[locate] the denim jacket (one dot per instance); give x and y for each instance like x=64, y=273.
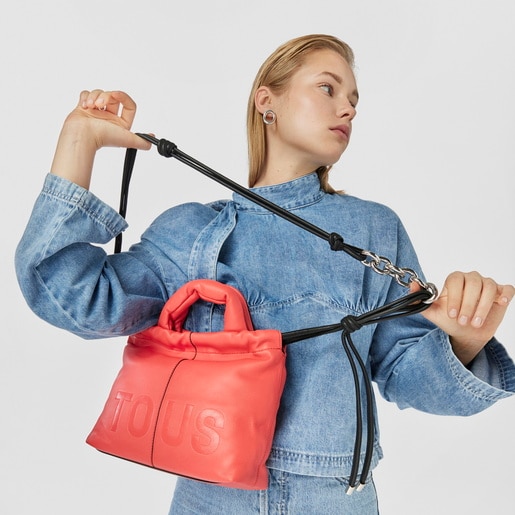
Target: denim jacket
x=291, y=280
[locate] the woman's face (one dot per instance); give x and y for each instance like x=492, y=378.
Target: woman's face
x=314, y=114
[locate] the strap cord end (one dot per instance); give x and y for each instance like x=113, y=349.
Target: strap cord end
x=336, y=242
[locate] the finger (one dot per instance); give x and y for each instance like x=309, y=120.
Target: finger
x=83, y=97
x=490, y=291
x=104, y=101
x=112, y=101
x=140, y=143
x=128, y=111
x=414, y=287
x=92, y=100
x=472, y=291
x=89, y=98
x=453, y=292
x=506, y=294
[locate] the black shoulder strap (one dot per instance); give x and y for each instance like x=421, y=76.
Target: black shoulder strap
x=381, y=265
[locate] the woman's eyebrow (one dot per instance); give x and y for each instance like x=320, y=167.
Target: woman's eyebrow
x=336, y=77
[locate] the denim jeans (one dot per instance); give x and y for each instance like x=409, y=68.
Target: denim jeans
x=287, y=494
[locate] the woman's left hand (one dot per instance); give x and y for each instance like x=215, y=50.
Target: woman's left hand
x=469, y=309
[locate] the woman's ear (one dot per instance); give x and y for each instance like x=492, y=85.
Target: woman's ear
x=263, y=99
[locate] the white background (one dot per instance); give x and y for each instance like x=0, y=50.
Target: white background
x=433, y=139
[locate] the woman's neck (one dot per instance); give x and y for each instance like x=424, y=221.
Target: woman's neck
x=271, y=175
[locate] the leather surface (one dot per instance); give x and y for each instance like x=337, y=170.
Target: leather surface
x=200, y=405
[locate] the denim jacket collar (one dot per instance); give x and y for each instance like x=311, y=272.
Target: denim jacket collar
x=297, y=193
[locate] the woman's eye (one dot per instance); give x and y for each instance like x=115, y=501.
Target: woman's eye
x=327, y=88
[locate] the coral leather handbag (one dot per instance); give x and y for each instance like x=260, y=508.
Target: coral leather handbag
x=200, y=405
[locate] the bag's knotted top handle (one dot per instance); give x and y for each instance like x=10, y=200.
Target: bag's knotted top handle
x=407, y=305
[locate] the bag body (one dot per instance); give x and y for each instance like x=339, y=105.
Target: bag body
x=199, y=405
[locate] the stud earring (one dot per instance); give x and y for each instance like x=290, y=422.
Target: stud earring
x=269, y=117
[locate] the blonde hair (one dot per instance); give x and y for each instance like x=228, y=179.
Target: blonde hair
x=276, y=73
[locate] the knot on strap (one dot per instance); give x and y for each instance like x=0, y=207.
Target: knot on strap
x=166, y=148
x=350, y=324
x=336, y=241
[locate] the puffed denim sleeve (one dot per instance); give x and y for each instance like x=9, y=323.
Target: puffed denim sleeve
x=69, y=280
x=420, y=369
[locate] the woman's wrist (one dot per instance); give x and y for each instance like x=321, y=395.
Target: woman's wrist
x=74, y=155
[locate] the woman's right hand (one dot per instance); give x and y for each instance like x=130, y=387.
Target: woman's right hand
x=101, y=119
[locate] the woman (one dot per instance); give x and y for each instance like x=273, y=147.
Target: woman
x=300, y=117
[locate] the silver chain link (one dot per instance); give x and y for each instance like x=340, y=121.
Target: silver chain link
x=403, y=276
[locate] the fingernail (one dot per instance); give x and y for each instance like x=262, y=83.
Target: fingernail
x=453, y=313
x=463, y=320
x=477, y=322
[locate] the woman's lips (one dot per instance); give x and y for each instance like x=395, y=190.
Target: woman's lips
x=343, y=130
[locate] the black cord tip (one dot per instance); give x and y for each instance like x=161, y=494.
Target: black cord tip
x=148, y=137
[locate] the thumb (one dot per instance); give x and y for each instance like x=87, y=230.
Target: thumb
x=138, y=142
x=414, y=287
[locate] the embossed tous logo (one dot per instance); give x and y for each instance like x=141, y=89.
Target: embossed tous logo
x=180, y=422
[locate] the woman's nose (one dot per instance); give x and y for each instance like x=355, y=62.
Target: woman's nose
x=347, y=111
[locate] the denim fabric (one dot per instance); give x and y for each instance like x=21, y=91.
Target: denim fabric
x=287, y=494
x=291, y=280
